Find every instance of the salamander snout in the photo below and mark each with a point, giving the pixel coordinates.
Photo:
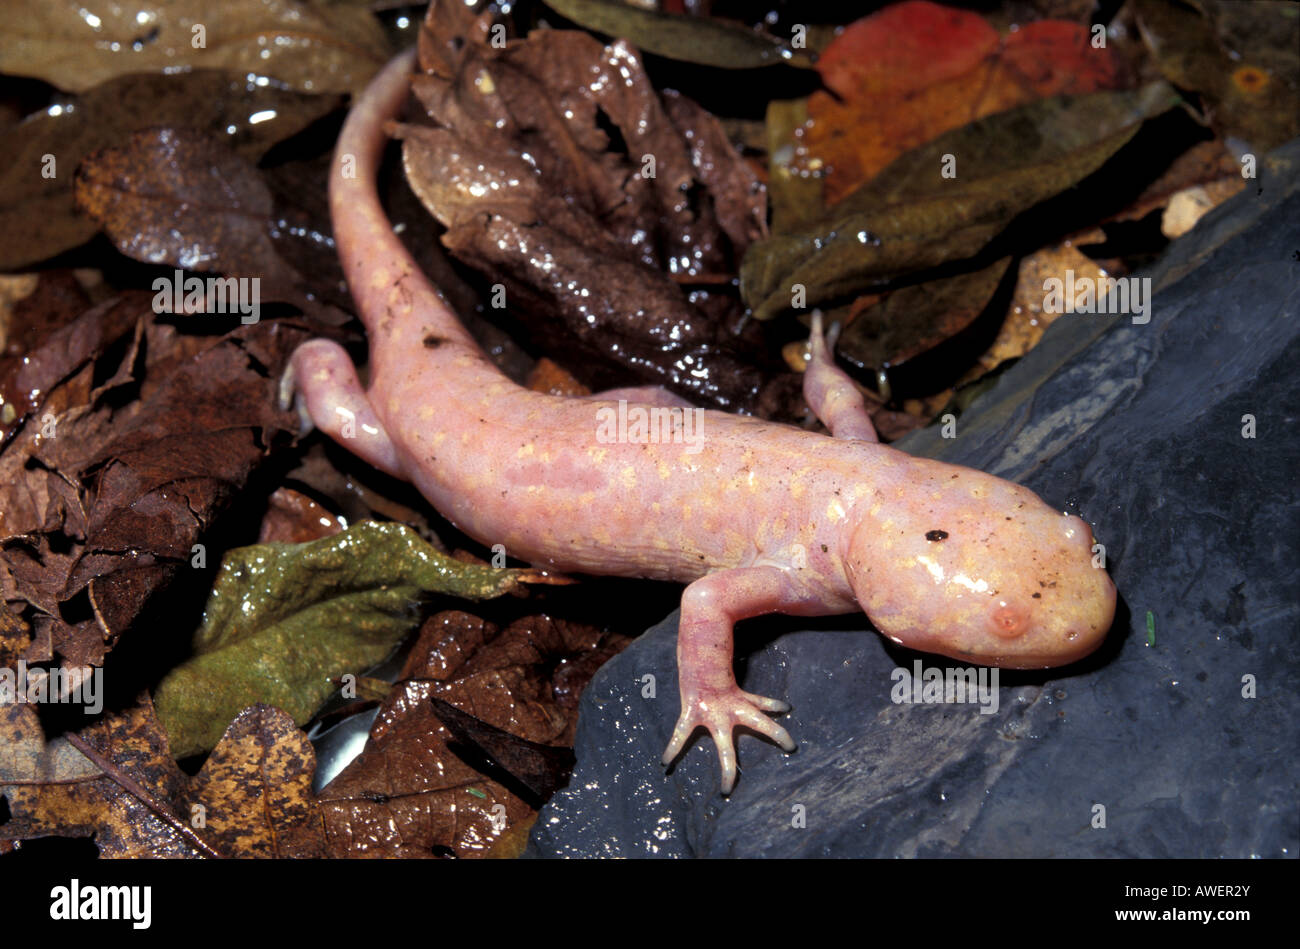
(984, 572)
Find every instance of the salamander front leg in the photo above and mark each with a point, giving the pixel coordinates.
(831, 394)
(331, 395)
(710, 696)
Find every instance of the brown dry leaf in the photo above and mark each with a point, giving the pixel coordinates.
(252, 797)
(37, 217)
(313, 47)
(562, 174)
(136, 439)
(183, 197)
(408, 794)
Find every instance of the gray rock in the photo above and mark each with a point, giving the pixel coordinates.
(1139, 429)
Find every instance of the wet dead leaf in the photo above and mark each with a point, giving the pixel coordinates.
(103, 497)
(917, 319)
(252, 797)
(293, 518)
(409, 794)
(911, 217)
(1243, 58)
(37, 216)
(563, 175)
(313, 47)
(694, 39)
(183, 197)
(914, 70)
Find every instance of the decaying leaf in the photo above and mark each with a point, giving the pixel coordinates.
(1243, 58)
(911, 216)
(693, 39)
(409, 794)
(252, 797)
(314, 47)
(39, 156)
(183, 197)
(917, 319)
(284, 620)
(293, 518)
(126, 439)
(561, 173)
(914, 70)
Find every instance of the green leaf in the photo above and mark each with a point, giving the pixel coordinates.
(703, 40)
(284, 620)
(910, 217)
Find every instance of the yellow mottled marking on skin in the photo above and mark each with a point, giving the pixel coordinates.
(597, 455)
(426, 412)
(464, 438)
(797, 488)
(439, 437)
(835, 510)
(656, 507)
(978, 491)
(875, 510)
(380, 280)
(629, 476)
(525, 450)
(601, 536)
(665, 472)
(735, 544)
(686, 512)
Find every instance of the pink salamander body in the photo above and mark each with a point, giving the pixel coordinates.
(756, 517)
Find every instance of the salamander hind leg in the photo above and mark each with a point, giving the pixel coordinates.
(644, 395)
(709, 693)
(330, 395)
(831, 394)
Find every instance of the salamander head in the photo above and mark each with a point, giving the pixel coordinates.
(980, 569)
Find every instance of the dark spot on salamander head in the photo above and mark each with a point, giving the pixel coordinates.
(936, 535)
(433, 342)
(1038, 596)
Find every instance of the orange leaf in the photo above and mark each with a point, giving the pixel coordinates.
(912, 71)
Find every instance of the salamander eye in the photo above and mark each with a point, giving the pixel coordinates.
(934, 536)
(1009, 622)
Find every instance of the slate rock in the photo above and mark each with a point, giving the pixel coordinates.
(1137, 428)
